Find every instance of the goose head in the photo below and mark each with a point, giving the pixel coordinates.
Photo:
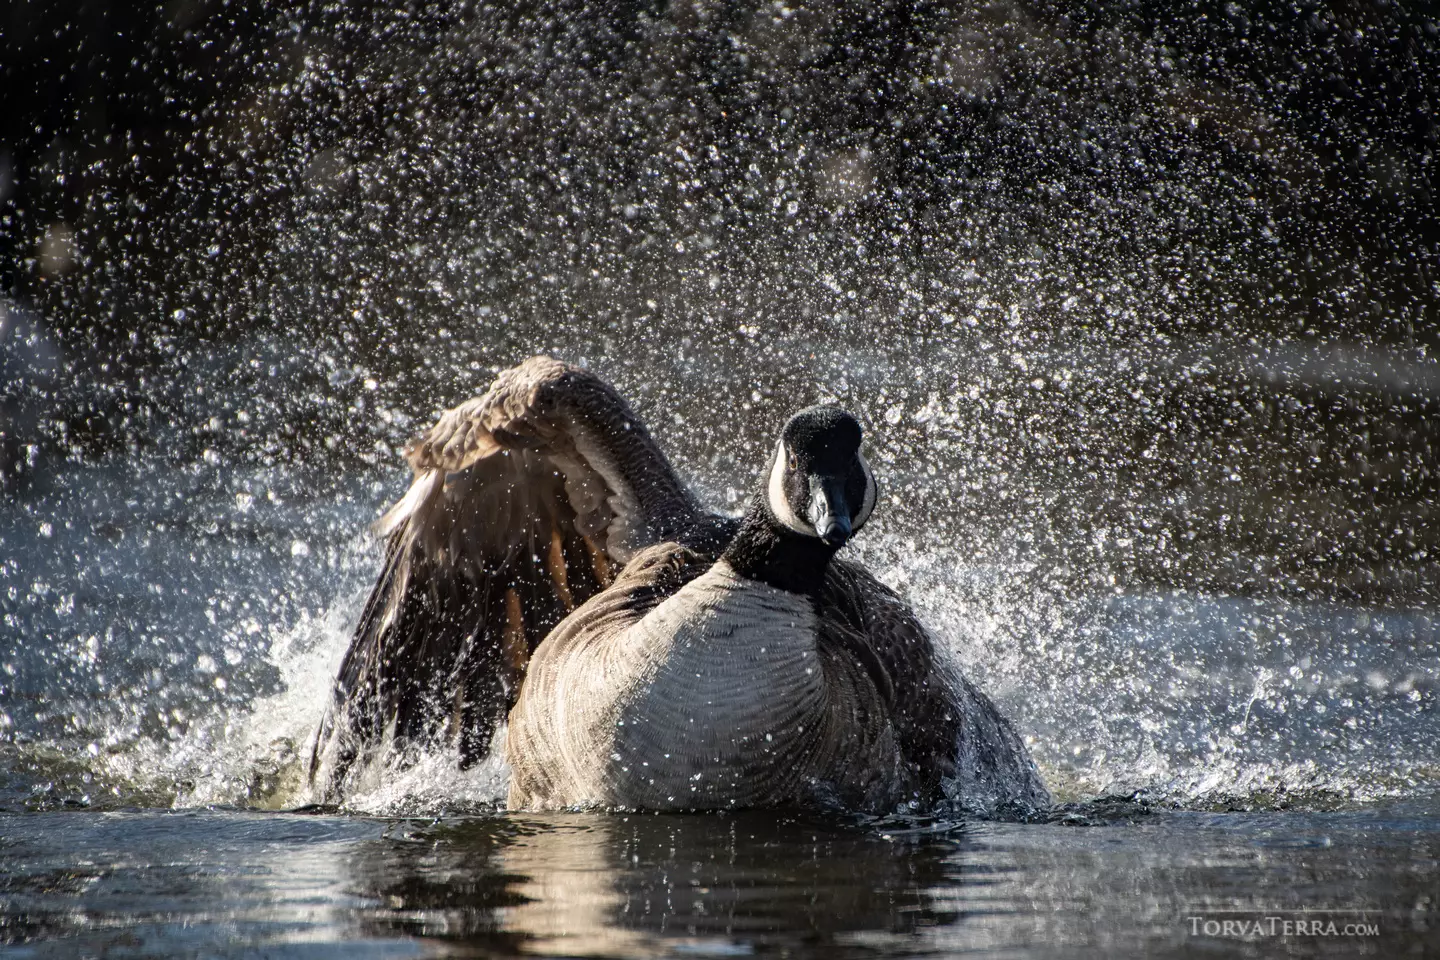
(819, 484)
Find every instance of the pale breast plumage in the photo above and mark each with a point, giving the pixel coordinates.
(719, 697)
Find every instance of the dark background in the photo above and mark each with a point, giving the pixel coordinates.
(1134, 293)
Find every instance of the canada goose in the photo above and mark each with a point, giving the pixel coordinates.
(547, 565)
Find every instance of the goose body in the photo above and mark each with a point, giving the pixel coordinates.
(549, 570)
(719, 696)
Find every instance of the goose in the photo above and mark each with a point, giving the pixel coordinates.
(547, 573)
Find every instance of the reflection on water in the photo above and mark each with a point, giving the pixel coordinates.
(648, 885)
(223, 883)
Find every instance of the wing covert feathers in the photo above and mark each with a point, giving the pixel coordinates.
(525, 501)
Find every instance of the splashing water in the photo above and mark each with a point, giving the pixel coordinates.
(1138, 310)
(1182, 698)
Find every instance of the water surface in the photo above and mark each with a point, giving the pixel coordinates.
(229, 883)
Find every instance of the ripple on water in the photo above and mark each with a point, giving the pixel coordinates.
(220, 882)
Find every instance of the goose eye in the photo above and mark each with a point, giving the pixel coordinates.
(793, 461)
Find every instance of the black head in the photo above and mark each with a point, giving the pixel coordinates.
(819, 484)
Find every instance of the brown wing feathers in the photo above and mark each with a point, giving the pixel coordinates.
(526, 502)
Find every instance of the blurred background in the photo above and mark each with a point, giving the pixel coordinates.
(1165, 272)
(1138, 301)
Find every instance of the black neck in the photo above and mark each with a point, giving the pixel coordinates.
(766, 551)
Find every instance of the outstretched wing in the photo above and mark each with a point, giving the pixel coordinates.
(526, 501)
(952, 739)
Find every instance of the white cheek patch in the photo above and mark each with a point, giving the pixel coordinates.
(775, 492)
(872, 493)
